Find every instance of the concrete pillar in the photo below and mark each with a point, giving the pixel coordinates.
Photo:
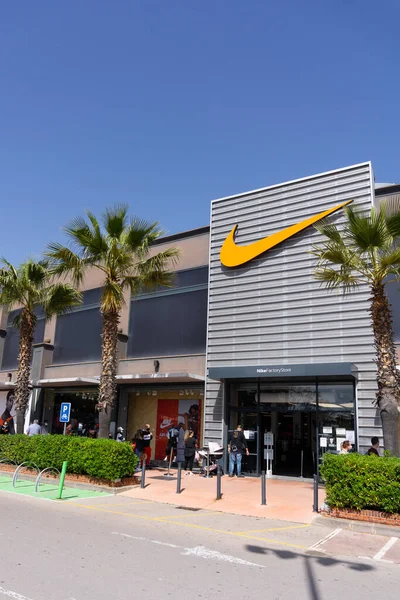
(42, 356)
(3, 331)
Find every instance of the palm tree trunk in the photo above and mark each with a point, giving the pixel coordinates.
(388, 378)
(109, 366)
(22, 391)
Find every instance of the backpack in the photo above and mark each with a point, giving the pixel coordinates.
(173, 434)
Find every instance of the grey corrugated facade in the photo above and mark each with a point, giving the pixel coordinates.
(271, 311)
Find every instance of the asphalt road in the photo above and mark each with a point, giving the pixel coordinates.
(116, 547)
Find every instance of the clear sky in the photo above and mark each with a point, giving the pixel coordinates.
(167, 104)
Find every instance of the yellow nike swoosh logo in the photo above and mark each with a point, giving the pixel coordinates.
(232, 255)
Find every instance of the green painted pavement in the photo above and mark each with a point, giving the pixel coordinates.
(48, 491)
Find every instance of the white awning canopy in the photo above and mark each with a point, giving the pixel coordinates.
(67, 381)
(172, 377)
(7, 385)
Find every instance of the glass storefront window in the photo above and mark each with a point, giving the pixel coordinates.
(243, 395)
(84, 416)
(161, 409)
(336, 417)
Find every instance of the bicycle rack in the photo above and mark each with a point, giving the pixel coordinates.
(49, 469)
(24, 465)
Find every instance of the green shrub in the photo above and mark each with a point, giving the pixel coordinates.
(362, 482)
(103, 459)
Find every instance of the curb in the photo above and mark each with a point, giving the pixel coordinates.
(92, 487)
(358, 526)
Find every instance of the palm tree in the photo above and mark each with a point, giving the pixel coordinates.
(29, 287)
(121, 249)
(367, 253)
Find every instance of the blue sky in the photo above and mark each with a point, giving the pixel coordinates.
(168, 104)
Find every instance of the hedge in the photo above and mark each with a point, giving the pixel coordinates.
(103, 459)
(362, 482)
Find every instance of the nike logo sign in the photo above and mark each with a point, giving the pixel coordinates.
(232, 255)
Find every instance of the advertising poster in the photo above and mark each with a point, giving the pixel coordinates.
(172, 412)
(7, 412)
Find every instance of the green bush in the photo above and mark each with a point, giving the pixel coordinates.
(103, 459)
(362, 482)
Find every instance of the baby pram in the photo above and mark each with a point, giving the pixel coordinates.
(210, 458)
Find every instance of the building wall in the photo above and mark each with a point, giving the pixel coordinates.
(179, 314)
(271, 311)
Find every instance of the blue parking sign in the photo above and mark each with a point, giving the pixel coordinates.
(65, 412)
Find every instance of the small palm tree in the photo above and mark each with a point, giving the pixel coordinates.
(120, 249)
(367, 252)
(28, 287)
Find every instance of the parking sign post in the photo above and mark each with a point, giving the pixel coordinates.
(65, 414)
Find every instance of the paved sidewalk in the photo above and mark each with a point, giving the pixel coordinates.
(286, 499)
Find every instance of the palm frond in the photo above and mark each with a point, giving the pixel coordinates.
(329, 230)
(393, 225)
(115, 220)
(366, 232)
(390, 260)
(59, 299)
(35, 273)
(333, 278)
(64, 261)
(140, 234)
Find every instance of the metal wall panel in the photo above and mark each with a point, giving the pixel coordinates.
(272, 310)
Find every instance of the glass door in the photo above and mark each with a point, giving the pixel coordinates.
(289, 414)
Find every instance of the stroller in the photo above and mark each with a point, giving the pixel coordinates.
(214, 453)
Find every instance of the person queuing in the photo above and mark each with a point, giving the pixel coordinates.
(147, 437)
(236, 446)
(190, 451)
(34, 428)
(345, 447)
(138, 442)
(373, 451)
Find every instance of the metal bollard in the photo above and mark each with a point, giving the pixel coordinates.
(302, 464)
(263, 488)
(178, 481)
(219, 475)
(315, 507)
(62, 477)
(143, 479)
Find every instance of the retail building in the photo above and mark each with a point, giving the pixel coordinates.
(277, 353)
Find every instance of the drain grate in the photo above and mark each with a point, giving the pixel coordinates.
(188, 508)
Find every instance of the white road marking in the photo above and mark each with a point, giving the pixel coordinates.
(14, 595)
(142, 539)
(379, 555)
(328, 537)
(199, 551)
(203, 552)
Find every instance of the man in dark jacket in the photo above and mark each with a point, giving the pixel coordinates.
(236, 446)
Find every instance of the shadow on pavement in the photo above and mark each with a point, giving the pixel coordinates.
(326, 561)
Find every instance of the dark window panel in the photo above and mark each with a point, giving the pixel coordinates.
(11, 343)
(168, 325)
(77, 337)
(393, 292)
(189, 277)
(92, 296)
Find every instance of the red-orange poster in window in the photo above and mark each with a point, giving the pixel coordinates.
(171, 412)
(167, 416)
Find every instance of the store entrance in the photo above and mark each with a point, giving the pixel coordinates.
(304, 420)
(293, 443)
